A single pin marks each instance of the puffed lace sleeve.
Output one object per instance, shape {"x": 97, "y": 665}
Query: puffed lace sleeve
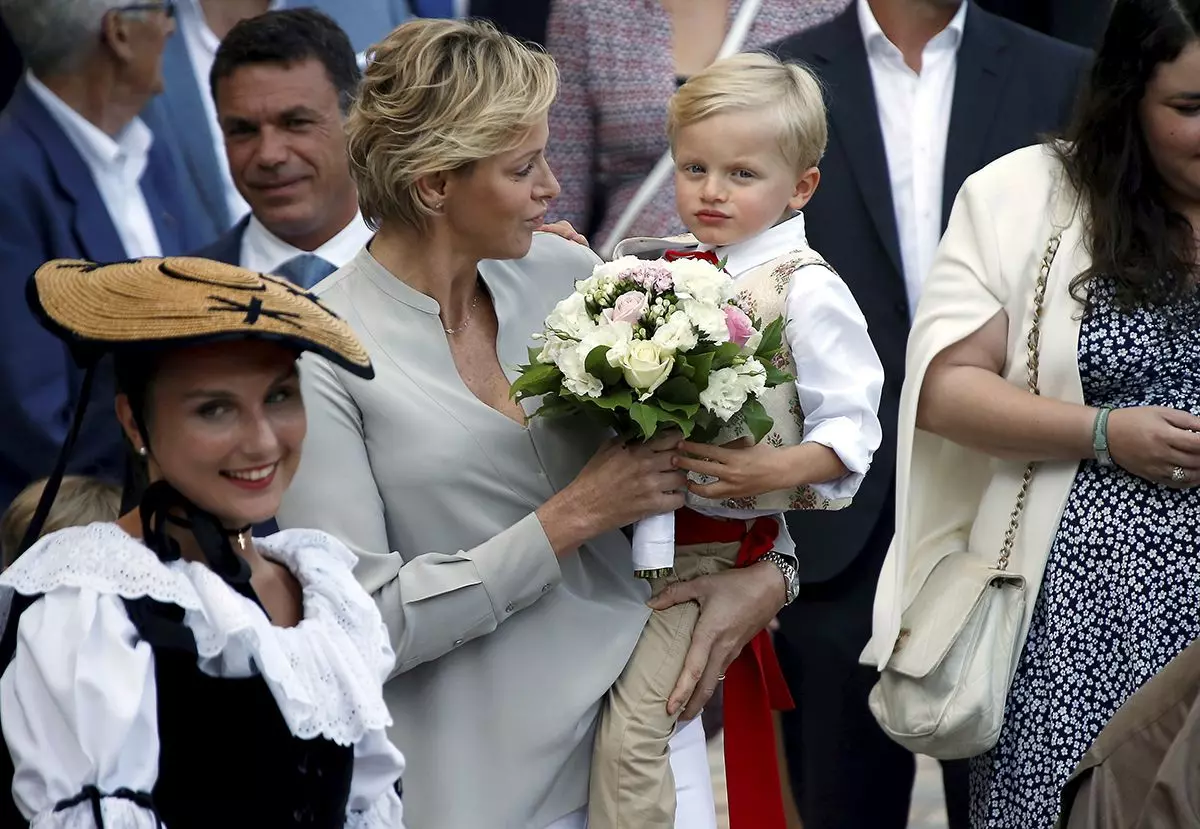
{"x": 78, "y": 711}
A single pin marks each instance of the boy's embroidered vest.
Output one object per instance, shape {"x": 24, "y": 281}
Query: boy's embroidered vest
{"x": 762, "y": 293}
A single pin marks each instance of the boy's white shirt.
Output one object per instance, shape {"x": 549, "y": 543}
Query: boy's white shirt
{"x": 839, "y": 375}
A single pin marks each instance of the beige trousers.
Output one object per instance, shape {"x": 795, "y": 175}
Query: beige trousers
{"x": 632, "y": 786}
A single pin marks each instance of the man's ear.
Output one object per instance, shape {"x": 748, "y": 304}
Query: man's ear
{"x": 806, "y": 185}
{"x": 114, "y": 32}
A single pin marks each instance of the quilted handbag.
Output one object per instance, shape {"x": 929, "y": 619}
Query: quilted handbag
{"x": 943, "y": 690}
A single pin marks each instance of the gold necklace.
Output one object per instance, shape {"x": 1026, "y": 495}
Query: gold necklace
{"x": 470, "y": 313}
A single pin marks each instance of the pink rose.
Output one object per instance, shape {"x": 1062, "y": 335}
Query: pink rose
{"x": 629, "y": 308}
{"x": 740, "y": 327}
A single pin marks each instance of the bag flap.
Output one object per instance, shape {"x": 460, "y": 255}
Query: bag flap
{"x": 929, "y": 626}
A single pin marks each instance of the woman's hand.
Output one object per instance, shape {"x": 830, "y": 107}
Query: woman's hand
{"x": 622, "y": 484}
{"x": 746, "y": 470}
{"x": 734, "y": 607}
{"x": 1151, "y": 442}
{"x": 566, "y": 230}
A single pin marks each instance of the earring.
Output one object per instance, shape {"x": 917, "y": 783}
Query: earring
{"x": 438, "y": 207}
{"x": 143, "y": 451}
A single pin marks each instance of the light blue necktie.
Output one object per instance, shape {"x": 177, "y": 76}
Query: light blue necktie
{"x": 305, "y": 270}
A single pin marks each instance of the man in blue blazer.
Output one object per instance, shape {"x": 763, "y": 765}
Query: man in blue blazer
{"x": 920, "y": 93}
{"x": 183, "y": 115}
{"x": 80, "y": 177}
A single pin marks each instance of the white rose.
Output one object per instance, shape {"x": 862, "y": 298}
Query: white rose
{"x": 570, "y": 318}
{"x": 553, "y": 349}
{"x": 699, "y": 280}
{"x": 676, "y": 334}
{"x": 575, "y": 377}
{"x": 752, "y": 377}
{"x": 710, "y": 319}
{"x": 646, "y": 366}
{"x": 616, "y": 335}
{"x": 725, "y": 395}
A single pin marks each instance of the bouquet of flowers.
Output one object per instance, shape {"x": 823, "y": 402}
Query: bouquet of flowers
{"x": 645, "y": 346}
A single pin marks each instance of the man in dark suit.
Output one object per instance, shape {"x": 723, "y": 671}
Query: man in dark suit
{"x": 282, "y": 83}
{"x": 921, "y": 93}
{"x": 81, "y": 177}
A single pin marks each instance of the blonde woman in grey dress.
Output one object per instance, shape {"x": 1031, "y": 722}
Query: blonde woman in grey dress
{"x": 491, "y": 542}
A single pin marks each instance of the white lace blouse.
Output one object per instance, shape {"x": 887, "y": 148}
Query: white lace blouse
{"x": 79, "y": 703}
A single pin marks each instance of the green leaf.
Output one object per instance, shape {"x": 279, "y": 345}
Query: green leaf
{"x": 612, "y": 401}
{"x": 678, "y": 390}
{"x": 757, "y": 420}
{"x": 597, "y": 365}
{"x": 687, "y": 410}
{"x": 772, "y": 340}
{"x": 725, "y": 354}
{"x": 534, "y": 351}
{"x": 775, "y": 376}
{"x": 554, "y": 406}
{"x": 702, "y": 366}
{"x": 536, "y": 381}
{"x": 646, "y": 418}
{"x": 683, "y": 368}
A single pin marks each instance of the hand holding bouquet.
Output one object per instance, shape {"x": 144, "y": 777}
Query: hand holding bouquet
{"x": 645, "y": 346}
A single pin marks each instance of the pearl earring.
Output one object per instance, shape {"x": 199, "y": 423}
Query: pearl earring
{"x": 143, "y": 451}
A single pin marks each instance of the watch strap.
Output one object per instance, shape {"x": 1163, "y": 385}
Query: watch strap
{"x": 790, "y": 574}
{"x": 1100, "y": 436}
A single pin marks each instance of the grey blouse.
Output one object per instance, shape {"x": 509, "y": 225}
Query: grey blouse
{"x": 503, "y": 651}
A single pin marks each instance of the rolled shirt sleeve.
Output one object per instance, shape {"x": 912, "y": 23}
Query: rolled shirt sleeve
{"x": 839, "y": 378}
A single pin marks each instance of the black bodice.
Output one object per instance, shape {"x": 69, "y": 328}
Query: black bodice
{"x": 226, "y": 758}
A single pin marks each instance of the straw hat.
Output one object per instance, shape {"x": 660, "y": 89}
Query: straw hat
{"x": 185, "y": 301}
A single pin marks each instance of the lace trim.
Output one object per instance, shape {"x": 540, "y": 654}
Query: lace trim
{"x": 100, "y": 557}
{"x": 326, "y": 674}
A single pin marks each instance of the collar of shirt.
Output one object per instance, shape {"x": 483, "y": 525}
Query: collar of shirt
{"x": 129, "y": 152}
{"x": 772, "y": 243}
{"x": 949, "y": 38}
{"x": 264, "y": 252}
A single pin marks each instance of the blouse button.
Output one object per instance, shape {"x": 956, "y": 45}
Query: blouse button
{"x": 545, "y": 587}
{"x": 510, "y": 608}
{"x": 457, "y": 642}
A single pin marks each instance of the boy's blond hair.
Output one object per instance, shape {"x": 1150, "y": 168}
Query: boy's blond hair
{"x": 788, "y": 94}
{"x": 80, "y": 501}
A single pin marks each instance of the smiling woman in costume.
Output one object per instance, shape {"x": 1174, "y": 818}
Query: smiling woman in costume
{"x": 138, "y": 652}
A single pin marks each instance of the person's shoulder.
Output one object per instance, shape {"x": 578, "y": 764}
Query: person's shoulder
{"x": 1035, "y": 44}
{"x": 803, "y": 44}
{"x": 552, "y": 257}
{"x": 1030, "y": 174}
{"x": 100, "y": 557}
{"x": 227, "y": 247}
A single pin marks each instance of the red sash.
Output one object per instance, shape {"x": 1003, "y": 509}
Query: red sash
{"x": 754, "y": 685}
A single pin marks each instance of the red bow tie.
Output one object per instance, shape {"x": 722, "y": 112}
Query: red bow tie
{"x": 703, "y": 255}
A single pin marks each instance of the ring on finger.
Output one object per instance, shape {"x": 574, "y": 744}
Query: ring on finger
{"x": 720, "y": 677}
{"x": 1179, "y": 475}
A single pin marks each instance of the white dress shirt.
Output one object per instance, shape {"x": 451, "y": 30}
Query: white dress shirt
{"x": 839, "y": 378}
{"x": 264, "y": 252}
{"x": 116, "y": 166}
{"x": 914, "y": 115}
{"x": 202, "y": 44}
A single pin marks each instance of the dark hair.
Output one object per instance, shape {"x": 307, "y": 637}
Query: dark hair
{"x": 1137, "y": 242}
{"x": 287, "y": 37}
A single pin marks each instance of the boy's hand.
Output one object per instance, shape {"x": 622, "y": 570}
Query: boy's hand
{"x": 747, "y": 470}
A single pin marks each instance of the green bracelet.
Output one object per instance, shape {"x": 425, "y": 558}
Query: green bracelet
{"x": 1100, "y": 436}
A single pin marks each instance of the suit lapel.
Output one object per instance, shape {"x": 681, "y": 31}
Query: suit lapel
{"x": 92, "y": 226}
{"x": 854, "y": 121}
{"x": 983, "y": 59}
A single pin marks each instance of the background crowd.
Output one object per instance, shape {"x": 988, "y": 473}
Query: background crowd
{"x": 149, "y": 132}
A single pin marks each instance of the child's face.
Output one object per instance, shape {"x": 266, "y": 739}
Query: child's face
{"x": 732, "y": 181}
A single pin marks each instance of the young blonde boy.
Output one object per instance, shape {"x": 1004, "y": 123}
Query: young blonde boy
{"x": 747, "y": 135}
{"x": 80, "y": 501}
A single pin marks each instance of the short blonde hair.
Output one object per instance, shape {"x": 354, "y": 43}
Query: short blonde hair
{"x": 755, "y": 82}
{"x": 438, "y": 95}
{"x": 80, "y": 501}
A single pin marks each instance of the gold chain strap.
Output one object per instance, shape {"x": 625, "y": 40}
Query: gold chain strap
{"x": 1032, "y": 365}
